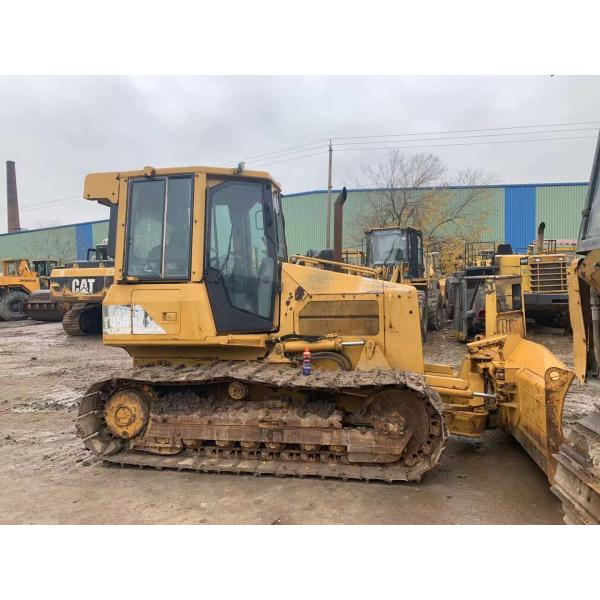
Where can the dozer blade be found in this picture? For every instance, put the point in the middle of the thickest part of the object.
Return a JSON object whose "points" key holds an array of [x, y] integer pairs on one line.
{"points": [[534, 413]]}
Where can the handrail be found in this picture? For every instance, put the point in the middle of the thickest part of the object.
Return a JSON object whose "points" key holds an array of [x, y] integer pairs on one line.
{"points": [[310, 260]]}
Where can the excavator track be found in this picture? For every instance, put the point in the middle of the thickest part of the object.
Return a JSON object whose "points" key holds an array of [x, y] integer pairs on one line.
{"points": [[577, 479], [382, 425], [83, 319]]}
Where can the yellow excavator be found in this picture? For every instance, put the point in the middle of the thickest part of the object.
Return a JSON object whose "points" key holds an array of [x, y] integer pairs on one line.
{"points": [[79, 287], [246, 363], [578, 476]]}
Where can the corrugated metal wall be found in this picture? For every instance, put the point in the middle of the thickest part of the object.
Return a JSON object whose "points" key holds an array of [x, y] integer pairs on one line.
{"points": [[560, 206], [519, 215], [305, 216], [65, 242], [509, 213]]}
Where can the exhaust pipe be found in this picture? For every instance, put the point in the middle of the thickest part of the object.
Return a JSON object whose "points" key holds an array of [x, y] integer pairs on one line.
{"points": [[540, 238], [338, 223]]}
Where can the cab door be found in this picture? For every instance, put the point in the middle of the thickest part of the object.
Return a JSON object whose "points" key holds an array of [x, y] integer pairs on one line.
{"points": [[241, 268]]}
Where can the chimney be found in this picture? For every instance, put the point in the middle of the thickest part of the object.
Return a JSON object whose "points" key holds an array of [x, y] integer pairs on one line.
{"points": [[12, 202]]}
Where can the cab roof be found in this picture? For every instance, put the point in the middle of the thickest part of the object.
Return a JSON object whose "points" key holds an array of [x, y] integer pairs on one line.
{"points": [[104, 187]]}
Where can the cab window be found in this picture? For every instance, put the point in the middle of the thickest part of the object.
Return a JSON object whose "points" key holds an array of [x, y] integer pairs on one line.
{"points": [[159, 227]]}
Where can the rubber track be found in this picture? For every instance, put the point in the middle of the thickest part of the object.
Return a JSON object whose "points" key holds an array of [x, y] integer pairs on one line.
{"points": [[274, 375], [577, 479]]}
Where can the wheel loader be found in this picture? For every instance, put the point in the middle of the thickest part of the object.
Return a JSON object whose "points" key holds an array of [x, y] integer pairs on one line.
{"points": [[19, 279], [542, 268], [246, 363], [398, 253], [577, 482]]}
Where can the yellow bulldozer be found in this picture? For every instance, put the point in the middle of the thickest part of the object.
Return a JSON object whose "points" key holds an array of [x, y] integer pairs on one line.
{"points": [[20, 278], [577, 482], [246, 363]]}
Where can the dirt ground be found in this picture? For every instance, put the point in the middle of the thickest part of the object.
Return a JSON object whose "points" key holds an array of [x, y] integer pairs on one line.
{"points": [[47, 477]]}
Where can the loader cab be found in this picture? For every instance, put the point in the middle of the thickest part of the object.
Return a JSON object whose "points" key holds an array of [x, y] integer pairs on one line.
{"points": [[44, 267], [394, 246], [16, 267], [100, 252]]}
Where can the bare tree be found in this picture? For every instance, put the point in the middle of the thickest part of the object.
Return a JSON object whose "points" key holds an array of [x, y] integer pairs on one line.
{"points": [[414, 190], [49, 242]]}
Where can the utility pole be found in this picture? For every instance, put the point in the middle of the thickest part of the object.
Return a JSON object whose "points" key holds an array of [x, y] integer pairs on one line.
{"points": [[328, 232]]}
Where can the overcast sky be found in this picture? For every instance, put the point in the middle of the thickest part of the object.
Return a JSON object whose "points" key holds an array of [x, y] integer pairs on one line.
{"points": [[57, 129]]}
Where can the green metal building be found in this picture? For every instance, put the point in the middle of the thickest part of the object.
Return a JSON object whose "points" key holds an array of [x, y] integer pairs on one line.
{"points": [[510, 213]]}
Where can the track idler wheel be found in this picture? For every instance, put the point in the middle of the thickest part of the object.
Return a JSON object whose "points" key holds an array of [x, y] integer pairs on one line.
{"points": [[126, 413]]}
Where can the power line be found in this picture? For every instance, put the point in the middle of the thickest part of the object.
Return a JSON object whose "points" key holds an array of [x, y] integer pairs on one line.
{"points": [[299, 149], [356, 137], [295, 152], [583, 137], [48, 203], [289, 159], [269, 154], [462, 137]]}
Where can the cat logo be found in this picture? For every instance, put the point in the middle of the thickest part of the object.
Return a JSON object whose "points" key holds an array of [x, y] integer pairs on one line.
{"points": [[83, 286]]}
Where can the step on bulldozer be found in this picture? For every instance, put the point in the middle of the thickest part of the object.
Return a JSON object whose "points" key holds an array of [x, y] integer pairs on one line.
{"points": [[218, 323], [19, 279], [577, 482]]}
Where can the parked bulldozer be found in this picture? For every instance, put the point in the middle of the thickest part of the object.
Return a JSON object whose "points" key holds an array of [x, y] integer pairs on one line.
{"points": [[80, 286], [19, 279], [577, 482], [246, 363]]}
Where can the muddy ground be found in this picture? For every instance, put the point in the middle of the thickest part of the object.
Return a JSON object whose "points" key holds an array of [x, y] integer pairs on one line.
{"points": [[47, 477]]}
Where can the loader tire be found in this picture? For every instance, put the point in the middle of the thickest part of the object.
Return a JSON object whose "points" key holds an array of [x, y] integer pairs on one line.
{"points": [[423, 314], [11, 306], [435, 312]]}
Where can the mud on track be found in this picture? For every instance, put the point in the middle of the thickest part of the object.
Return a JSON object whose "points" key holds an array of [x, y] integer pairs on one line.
{"points": [[47, 477]]}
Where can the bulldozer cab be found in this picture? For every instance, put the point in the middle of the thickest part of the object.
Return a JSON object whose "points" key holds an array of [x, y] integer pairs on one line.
{"points": [[390, 247], [489, 305], [213, 226]]}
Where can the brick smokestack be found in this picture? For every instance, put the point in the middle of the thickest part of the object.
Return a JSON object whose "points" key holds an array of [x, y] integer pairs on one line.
{"points": [[12, 201]]}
